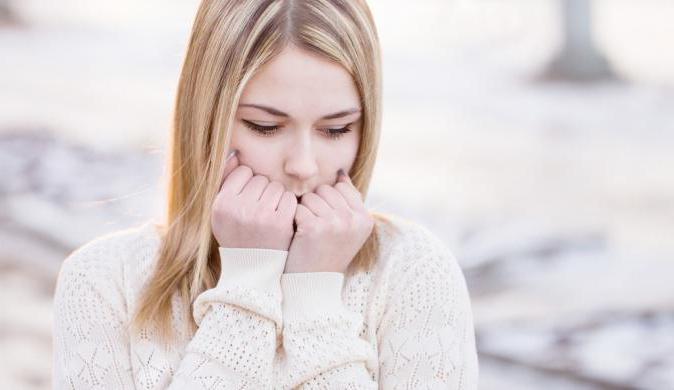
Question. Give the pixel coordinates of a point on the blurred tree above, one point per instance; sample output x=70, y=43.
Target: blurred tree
x=7, y=14
x=579, y=59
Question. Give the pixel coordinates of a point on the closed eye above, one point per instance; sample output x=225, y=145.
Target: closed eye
x=267, y=131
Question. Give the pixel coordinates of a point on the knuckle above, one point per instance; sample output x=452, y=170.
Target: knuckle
x=351, y=219
x=241, y=215
x=323, y=188
x=275, y=185
x=335, y=224
x=246, y=169
x=260, y=217
x=342, y=186
x=257, y=179
x=340, y=225
x=288, y=198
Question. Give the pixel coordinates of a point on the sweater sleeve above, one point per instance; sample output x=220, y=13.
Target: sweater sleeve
x=234, y=347
x=321, y=344
x=89, y=336
x=239, y=324
x=426, y=337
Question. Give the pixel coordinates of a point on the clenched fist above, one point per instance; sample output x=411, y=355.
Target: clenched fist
x=332, y=226
x=249, y=211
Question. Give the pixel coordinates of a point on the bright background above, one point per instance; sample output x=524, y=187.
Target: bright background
x=556, y=197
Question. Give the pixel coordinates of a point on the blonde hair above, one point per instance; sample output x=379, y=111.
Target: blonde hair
x=230, y=41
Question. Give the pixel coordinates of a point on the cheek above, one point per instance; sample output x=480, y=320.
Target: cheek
x=350, y=147
x=336, y=155
x=252, y=152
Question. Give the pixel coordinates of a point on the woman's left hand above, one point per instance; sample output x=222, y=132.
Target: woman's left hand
x=332, y=226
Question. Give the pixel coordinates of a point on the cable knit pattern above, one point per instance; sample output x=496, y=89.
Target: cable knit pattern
x=405, y=324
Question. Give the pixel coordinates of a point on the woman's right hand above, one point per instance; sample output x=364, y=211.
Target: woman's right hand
x=249, y=211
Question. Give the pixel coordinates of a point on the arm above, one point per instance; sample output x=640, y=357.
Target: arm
x=239, y=324
x=426, y=336
x=427, y=339
x=240, y=320
x=90, y=343
x=320, y=336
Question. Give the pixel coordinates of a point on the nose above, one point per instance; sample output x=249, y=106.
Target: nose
x=300, y=162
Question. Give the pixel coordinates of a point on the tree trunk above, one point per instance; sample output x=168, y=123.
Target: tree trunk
x=7, y=14
x=579, y=59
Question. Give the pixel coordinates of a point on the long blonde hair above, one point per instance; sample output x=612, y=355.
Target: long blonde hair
x=230, y=41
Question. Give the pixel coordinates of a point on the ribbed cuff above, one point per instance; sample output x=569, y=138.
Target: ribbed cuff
x=255, y=268
x=311, y=294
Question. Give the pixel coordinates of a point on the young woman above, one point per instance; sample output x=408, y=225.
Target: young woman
x=269, y=271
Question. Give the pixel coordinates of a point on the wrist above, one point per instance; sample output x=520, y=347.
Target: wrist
x=256, y=268
x=311, y=294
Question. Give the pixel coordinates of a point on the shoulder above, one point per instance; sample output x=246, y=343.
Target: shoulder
x=407, y=244
x=426, y=310
x=421, y=275
x=401, y=231
x=106, y=259
x=415, y=258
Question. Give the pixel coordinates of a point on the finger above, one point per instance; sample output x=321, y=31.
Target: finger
x=254, y=188
x=342, y=176
x=236, y=180
x=287, y=206
x=332, y=197
x=317, y=205
x=350, y=193
x=231, y=162
x=272, y=195
x=303, y=215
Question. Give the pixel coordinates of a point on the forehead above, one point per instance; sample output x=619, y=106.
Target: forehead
x=302, y=84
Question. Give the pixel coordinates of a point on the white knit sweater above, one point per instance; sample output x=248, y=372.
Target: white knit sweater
x=405, y=324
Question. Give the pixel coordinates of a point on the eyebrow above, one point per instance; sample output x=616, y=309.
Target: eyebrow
x=276, y=112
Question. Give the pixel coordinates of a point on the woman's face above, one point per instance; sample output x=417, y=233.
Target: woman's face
x=298, y=121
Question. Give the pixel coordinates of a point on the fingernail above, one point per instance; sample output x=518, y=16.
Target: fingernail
x=340, y=172
x=232, y=153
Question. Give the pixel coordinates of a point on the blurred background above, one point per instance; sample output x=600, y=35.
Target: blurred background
x=534, y=136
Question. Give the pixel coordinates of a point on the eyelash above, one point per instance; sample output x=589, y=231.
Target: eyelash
x=267, y=131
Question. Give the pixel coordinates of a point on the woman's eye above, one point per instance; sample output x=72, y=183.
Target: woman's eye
x=264, y=130
x=336, y=133
x=332, y=133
